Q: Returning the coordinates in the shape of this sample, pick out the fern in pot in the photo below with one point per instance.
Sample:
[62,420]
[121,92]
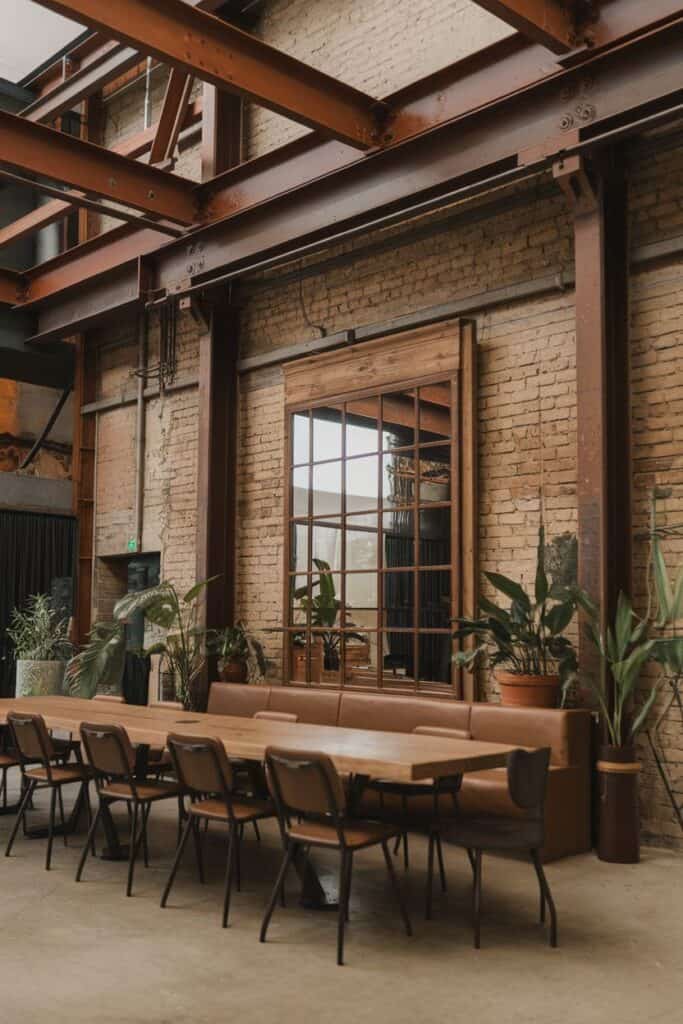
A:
[41,647]
[524,643]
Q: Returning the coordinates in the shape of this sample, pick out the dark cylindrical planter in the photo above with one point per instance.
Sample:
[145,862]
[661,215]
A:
[619,829]
[233,672]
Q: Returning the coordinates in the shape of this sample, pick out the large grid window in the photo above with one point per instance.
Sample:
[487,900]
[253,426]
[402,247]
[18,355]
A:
[372,532]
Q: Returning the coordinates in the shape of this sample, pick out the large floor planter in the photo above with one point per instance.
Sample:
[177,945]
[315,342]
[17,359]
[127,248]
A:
[233,671]
[528,691]
[40,678]
[619,827]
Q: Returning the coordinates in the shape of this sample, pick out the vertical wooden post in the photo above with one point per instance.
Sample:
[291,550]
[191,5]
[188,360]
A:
[469,487]
[599,199]
[83,478]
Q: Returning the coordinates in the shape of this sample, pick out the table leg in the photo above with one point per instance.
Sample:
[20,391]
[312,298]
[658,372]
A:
[313,895]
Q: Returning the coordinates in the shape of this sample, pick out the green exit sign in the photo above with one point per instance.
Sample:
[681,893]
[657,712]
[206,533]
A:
[132,544]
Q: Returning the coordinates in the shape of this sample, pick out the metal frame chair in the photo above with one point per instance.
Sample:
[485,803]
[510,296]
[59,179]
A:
[38,754]
[204,772]
[306,786]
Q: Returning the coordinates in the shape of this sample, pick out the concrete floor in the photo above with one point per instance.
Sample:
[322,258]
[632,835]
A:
[87,953]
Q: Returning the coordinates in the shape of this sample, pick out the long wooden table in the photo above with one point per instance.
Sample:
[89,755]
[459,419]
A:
[365,753]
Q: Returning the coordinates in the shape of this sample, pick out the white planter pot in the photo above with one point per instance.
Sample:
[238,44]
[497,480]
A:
[40,678]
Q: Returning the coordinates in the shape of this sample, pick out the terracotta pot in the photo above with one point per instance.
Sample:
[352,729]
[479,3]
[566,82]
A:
[40,678]
[233,671]
[528,691]
[619,828]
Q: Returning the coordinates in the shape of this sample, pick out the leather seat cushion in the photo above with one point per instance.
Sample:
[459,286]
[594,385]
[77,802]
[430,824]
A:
[356,834]
[217,811]
[74,773]
[145,790]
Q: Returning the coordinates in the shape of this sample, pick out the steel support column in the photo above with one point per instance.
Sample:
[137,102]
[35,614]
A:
[603,386]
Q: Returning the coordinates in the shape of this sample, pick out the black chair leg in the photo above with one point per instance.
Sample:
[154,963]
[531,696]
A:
[349,871]
[176,860]
[397,844]
[232,850]
[397,889]
[61,814]
[85,788]
[51,827]
[430,877]
[239,832]
[406,863]
[442,869]
[278,888]
[89,843]
[23,806]
[476,899]
[133,848]
[341,916]
[546,896]
[198,849]
[145,844]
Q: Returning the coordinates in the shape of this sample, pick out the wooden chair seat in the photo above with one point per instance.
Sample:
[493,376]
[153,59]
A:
[216,810]
[8,761]
[356,834]
[146,791]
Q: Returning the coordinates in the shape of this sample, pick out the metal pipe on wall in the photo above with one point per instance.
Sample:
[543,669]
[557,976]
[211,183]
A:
[140,431]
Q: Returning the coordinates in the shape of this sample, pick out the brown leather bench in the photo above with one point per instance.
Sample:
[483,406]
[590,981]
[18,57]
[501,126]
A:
[566,732]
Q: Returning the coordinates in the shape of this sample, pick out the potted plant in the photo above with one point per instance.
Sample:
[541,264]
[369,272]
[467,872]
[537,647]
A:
[323,609]
[624,650]
[41,647]
[241,657]
[524,644]
[182,649]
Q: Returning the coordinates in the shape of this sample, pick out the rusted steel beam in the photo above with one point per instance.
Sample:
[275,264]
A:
[228,58]
[10,287]
[548,22]
[172,116]
[321,190]
[96,61]
[39,150]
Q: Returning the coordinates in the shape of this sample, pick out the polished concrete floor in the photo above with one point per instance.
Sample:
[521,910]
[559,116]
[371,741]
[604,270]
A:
[87,953]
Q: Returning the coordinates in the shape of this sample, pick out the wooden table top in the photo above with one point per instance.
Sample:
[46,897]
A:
[404,757]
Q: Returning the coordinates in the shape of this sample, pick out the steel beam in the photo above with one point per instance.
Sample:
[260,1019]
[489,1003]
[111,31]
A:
[57,209]
[105,61]
[38,150]
[548,22]
[10,287]
[334,189]
[172,115]
[201,45]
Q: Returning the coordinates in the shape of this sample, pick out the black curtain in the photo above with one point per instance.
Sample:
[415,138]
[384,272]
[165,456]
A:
[34,550]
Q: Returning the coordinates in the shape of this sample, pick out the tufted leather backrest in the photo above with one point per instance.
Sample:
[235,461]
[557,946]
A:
[567,733]
[315,707]
[236,699]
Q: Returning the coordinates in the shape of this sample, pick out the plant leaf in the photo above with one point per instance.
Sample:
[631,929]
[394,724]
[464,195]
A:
[642,715]
[662,583]
[197,588]
[510,588]
[622,624]
[558,617]
[541,582]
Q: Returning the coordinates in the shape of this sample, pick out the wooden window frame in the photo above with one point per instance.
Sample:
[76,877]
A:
[452,358]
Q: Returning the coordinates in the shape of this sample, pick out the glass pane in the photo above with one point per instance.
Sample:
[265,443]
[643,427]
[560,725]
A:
[435,599]
[398,420]
[397,657]
[435,474]
[361,483]
[325,600]
[398,539]
[327,434]
[435,412]
[361,659]
[327,479]
[435,657]
[361,541]
[298,592]
[300,437]
[399,600]
[361,591]
[327,541]
[435,536]
[361,426]
[300,479]
[361,619]
[299,547]
[398,479]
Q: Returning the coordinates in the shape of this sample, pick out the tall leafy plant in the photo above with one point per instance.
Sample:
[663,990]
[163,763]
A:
[323,606]
[38,633]
[182,648]
[668,649]
[527,637]
[625,648]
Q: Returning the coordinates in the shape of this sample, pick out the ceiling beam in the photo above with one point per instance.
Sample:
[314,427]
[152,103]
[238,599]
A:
[176,98]
[49,213]
[10,287]
[35,149]
[549,22]
[217,52]
[105,60]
